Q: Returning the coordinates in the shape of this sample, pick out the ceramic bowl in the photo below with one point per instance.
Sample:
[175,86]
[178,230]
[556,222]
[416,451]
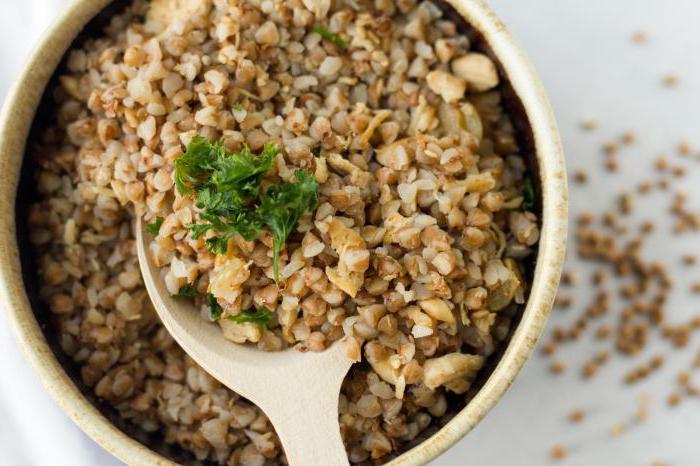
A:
[538,137]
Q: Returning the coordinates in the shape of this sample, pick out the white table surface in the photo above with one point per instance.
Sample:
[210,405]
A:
[591,69]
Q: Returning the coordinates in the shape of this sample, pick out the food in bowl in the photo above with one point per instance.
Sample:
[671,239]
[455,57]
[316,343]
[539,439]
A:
[414,245]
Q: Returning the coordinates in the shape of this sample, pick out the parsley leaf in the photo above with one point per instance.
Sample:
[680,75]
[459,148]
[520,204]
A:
[246,223]
[217,244]
[186,291]
[215,309]
[227,188]
[237,107]
[282,207]
[198,229]
[237,177]
[260,316]
[153,228]
[220,177]
[194,167]
[330,36]
[528,194]
[225,185]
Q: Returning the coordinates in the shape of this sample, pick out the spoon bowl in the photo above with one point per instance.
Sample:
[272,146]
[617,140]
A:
[297,391]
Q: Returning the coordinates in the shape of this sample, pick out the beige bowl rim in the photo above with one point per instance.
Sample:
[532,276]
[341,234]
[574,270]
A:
[16,119]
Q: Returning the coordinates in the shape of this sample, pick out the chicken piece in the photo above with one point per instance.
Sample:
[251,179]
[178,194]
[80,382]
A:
[385,370]
[168,11]
[358,177]
[398,155]
[502,295]
[227,278]
[318,7]
[240,333]
[379,358]
[448,86]
[454,370]
[349,274]
[439,310]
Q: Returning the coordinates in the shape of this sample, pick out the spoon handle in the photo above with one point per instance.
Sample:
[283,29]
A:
[297,391]
[305,414]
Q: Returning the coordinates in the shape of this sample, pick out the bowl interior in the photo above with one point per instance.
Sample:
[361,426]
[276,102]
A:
[27,194]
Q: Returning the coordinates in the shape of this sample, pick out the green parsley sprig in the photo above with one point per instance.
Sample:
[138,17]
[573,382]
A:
[282,207]
[226,186]
[215,309]
[186,291]
[260,316]
[330,36]
[220,178]
[528,194]
[154,228]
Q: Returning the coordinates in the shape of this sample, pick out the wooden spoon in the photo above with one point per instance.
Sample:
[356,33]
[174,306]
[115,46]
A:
[297,391]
